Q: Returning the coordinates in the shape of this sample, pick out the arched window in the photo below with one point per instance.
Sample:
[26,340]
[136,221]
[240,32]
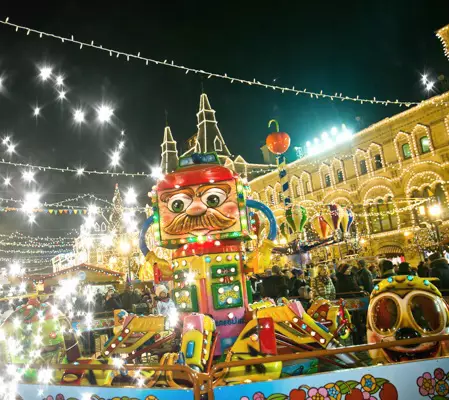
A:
[406,152]
[424,143]
[363,168]
[327,180]
[382,216]
[340,177]
[378,161]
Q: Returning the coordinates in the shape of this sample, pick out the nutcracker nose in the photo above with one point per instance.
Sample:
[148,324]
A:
[196,208]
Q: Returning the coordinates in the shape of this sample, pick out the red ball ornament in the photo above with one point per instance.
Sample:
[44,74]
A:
[277,142]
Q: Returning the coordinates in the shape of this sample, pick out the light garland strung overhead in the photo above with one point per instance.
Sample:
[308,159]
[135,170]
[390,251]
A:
[78,172]
[254,82]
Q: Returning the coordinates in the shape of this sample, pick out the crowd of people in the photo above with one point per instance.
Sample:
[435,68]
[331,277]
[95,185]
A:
[331,280]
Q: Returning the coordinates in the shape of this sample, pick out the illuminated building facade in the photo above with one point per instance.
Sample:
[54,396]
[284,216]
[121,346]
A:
[383,173]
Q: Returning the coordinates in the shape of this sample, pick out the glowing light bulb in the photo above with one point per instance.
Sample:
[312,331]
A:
[31,219]
[429,85]
[45,73]
[61,95]
[121,145]
[80,171]
[115,158]
[36,111]
[131,196]
[59,80]
[6,140]
[92,209]
[11,149]
[28,176]
[78,116]
[104,113]
[156,173]
[7,181]
[31,202]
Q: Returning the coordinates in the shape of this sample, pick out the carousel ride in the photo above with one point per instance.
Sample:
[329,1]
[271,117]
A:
[202,213]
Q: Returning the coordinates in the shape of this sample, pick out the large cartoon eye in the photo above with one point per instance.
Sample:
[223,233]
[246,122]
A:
[427,313]
[179,202]
[214,197]
[385,315]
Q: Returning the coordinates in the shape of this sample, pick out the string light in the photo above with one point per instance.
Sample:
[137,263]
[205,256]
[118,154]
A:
[59,80]
[36,111]
[6,140]
[61,95]
[80,171]
[78,116]
[11,149]
[115,159]
[156,173]
[104,113]
[254,82]
[443,35]
[28,176]
[7,181]
[45,73]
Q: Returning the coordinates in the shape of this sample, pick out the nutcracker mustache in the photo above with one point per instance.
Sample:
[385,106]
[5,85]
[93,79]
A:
[212,220]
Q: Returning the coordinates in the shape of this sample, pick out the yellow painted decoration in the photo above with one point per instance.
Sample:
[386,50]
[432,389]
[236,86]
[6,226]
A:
[259,259]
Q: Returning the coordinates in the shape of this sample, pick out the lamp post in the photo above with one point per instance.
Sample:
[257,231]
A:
[125,249]
[434,212]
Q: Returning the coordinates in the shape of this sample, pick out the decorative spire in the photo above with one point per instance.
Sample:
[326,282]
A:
[209,137]
[169,156]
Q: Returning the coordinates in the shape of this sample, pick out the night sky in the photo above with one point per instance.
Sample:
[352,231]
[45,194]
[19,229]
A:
[377,48]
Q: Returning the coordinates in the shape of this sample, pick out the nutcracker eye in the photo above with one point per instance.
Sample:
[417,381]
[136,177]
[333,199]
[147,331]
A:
[214,197]
[385,315]
[179,202]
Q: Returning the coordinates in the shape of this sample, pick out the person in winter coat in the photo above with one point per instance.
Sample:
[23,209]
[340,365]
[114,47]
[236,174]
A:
[322,286]
[386,268]
[129,297]
[405,269]
[275,285]
[364,277]
[164,304]
[346,281]
[112,301]
[439,268]
[423,269]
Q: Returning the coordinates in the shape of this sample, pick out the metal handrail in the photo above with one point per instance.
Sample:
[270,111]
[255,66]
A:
[192,374]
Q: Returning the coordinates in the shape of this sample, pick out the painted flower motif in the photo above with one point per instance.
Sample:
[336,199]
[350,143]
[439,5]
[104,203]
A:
[442,388]
[333,391]
[258,396]
[367,396]
[297,394]
[368,383]
[426,384]
[318,394]
[439,374]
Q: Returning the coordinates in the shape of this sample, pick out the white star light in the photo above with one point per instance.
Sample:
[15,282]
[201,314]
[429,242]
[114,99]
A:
[78,116]
[92,209]
[28,176]
[7,181]
[80,171]
[11,148]
[36,111]
[31,219]
[104,113]
[45,73]
[6,140]
[121,145]
[59,80]
[31,202]
[61,95]
[115,158]
[130,196]
[156,173]
[122,133]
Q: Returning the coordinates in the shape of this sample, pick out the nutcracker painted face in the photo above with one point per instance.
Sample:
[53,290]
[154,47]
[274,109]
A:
[407,307]
[196,201]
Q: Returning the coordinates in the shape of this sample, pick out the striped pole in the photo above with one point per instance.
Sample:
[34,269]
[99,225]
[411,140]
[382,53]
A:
[284,181]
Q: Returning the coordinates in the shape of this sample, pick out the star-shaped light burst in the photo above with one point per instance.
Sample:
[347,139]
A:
[104,113]
[11,149]
[31,202]
[115,158]
[92,209]
[6,140]
[36,111]
[131,196]
[28,176]
[121,145]
[61,94]
[45,73]
[78,116]
[45,375]
[7,181]
[59,80]
[156,173]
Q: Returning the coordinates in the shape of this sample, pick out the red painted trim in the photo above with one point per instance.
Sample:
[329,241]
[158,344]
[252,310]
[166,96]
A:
[209,247]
